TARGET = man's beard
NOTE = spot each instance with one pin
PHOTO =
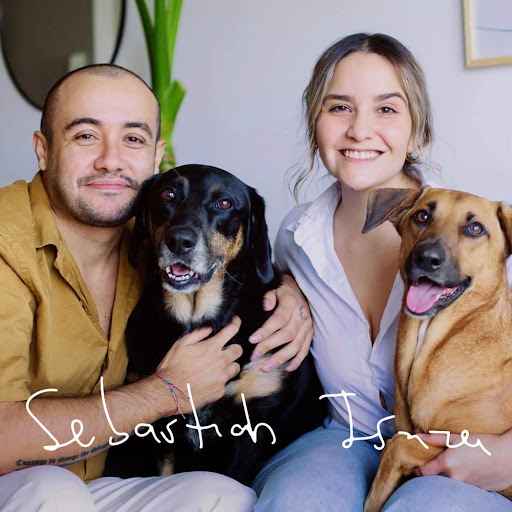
(80, 209)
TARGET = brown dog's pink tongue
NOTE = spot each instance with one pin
(180, 270)
(423, 296)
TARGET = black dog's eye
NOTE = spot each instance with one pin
(224, 204)
(168, 194)
(421, 217)
(474, 229)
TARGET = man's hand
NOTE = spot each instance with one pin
(290, 325)
(205, 365)
(472, 465)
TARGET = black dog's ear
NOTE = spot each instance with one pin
(140, 228)
(390, 204)
(257, 236)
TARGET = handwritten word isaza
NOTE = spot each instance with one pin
(347, 443)
(77, 426)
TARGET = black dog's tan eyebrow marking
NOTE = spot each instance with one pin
(184, 183)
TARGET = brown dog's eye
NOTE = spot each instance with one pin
(474, 229)
(422, 217)
(224, 204)
(168, 195)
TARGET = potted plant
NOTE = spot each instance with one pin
(160, 37)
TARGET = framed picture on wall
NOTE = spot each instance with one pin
(488, 32)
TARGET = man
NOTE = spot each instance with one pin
(67, 293)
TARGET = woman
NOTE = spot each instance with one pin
(369, 119)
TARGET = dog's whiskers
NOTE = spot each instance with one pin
(238, 282)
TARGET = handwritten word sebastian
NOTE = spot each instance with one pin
(77, 426)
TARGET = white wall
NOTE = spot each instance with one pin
(18, 120)
(105, 25)
(245, 64)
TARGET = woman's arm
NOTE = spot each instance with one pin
(290, 325)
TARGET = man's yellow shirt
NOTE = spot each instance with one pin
(50, 335)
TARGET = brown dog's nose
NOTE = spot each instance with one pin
(429, 256)
(181, 240)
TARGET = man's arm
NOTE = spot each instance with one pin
(22, 439)
(205, 365)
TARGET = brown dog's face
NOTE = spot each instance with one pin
(453, 244)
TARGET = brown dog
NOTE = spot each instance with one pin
(453, 364)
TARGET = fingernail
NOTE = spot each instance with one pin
(255, 355)
(255, 338)
(270, 366)
(266, 303)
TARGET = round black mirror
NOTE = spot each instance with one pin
(44, 40)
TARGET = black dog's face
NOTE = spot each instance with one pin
(197, 220)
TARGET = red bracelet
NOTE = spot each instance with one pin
(172, 388)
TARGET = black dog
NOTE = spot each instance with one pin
(204, 237)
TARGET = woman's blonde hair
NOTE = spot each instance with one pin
(409, 74)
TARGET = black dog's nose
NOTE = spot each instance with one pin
(181, 240)
(429, 256)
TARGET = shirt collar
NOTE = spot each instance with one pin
(324, 206)
(316, 212)
(45, 228)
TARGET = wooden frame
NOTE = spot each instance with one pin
(475, 57)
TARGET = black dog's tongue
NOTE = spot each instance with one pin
(421, 297)
(180, 270)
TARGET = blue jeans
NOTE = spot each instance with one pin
(316, 474)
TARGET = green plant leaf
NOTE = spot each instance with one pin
(149, 34)
(161, 51)
(171, 103)
(161, 42)
(172, 22)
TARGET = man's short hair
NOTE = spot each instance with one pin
(105, 70)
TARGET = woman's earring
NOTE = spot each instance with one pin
(413, 156)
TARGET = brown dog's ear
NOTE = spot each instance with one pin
(505, 218)
(390, 204)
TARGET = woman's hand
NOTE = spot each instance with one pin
(290, 325)
(472, 465)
